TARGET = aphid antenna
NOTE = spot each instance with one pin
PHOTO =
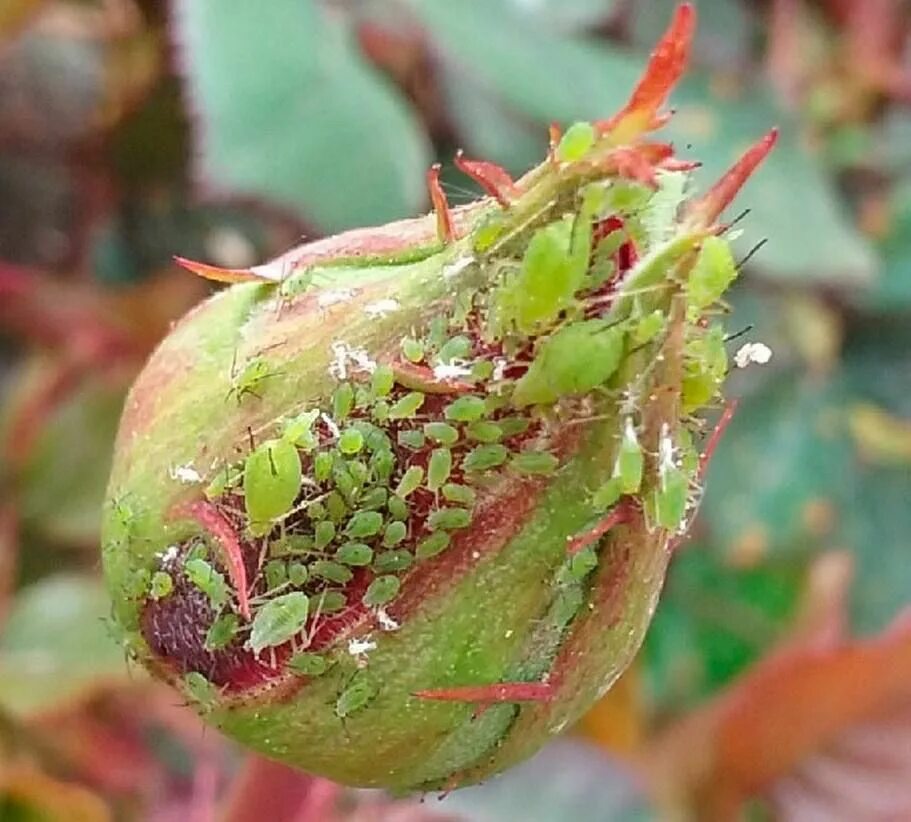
(750, 254)
(737, 334)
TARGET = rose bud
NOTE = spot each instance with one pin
(396, 507)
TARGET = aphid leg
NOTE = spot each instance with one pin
(214, 522)
(445, 231)
(492, 178)
(620, 514)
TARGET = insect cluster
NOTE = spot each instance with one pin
(412, 472)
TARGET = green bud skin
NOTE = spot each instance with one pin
(374, 465)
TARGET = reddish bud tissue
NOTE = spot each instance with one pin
(396, 507)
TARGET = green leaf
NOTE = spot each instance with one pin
(279, 620)
(289, 110)
(574, 360)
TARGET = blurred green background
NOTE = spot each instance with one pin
(775, 681)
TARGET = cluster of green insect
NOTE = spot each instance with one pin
(557, 315)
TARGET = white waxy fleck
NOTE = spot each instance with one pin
(665, 450)
(381, 308)
(334, 296)
(457, 267)
(358, 646)
(387, 623)
(344, 358)
(758, 353)
(330, 424)
(184, 473)
(168, 556)
(499, 368)
(450, 370)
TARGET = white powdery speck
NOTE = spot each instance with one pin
(381, 308)
(168, 556)
(344, 358)
(665, 450)
(451, 370)
(184, 473)
(457, 267)
(758, 353)
(339, 295)
(499, 368)
(330, 424)
(387, 623)
(356, 646)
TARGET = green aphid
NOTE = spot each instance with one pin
(382, 464)
(630, 461)
(198, 550)
(276, 573)
(448, 519)
(407, 406)
(225, 478)
(670, 499)
(397, 507)
(394, 534)
(342, 401)
(331, 571)
(299, 430)
(482, 370)
(411, 480)
(323, 534)
(201, 692)
(461, 494)
(357, 696)
(432, 545)
(322, 466)
(487, 234)
(329, 602)
(336, 506)
(574, 360)
(648, 327)
(484, 431)
(712, 273)
(608, 494)
(364, 524)
(351, 441)
(137, 583)
(413, 349)
(278, 621)
(576, 142)
(304, 663)
(441, 432)
(247, 382)
(363, 397)
(375, 439)
(210, 581)
(289, 544)
(583, 563)
(437, 331)
(439, 467)
(382, 590)
(382, 381)
(298, 574)
(704, 368)
(485, 457)
(373, 499)
(534, 462)
(222, 632)
(566, 605)
(345, 483)
(456, 348)
(465, 409)
(272, 482)
(412, 439)
(354, 553)
(317, 511)
(380, 411)
(392, 562)
(160, 585)
(512, 426)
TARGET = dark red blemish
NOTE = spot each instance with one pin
(493, 179)
(445, 230)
